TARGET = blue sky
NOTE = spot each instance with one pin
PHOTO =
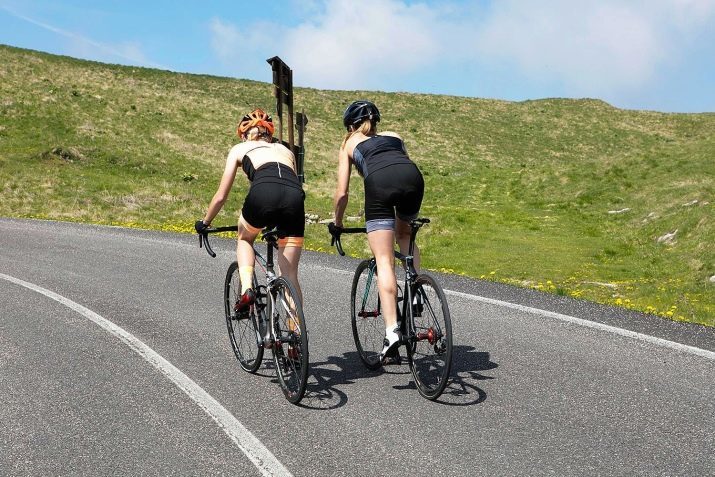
(635, 54)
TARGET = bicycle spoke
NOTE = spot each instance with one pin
(290, 350)
(431, 356)
(242, 330)
(366, 316)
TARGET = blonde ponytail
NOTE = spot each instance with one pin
(367, 128)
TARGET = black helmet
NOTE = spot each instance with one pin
(358, 112)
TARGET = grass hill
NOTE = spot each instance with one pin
(566, 196)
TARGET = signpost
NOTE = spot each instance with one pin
(283, 91)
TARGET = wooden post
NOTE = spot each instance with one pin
(283, 91)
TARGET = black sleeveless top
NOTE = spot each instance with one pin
(378, 152)
(273, 172)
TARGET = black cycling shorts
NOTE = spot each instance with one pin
(272, 204)
(397, 188)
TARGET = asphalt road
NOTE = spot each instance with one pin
(114, 359)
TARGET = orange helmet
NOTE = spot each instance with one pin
(257, 117)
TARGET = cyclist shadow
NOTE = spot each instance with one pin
(326, 377)
(462, 388)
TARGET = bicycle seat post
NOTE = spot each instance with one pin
(271, 238)
(414, 227)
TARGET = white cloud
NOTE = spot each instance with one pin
(243, 51)
(593, 46)
(85, 47)
(225, 40)
(354, 44)
(582, 44)
(590, 47)
(687, 14)
(346, 44)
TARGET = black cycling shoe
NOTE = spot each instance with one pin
(392, 357)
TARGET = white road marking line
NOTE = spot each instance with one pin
(254, 449)
(703, 353)
(592, 324)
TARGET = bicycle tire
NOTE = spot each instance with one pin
(368, 324)
(430, 355)
(290, 348)
(243, 331)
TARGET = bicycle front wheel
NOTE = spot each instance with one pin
(243, 329)
(366, 315)
(290, 348)
(430, 353)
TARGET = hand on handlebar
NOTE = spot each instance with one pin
(202, 230)
(334, 230)
(200, 227)
(335, 233)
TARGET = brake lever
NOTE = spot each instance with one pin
(204, 240)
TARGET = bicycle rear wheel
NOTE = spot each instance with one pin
(290, 349)
(430, 354)
(365, 314)
(243, 329)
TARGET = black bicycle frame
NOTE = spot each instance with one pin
(410, 275)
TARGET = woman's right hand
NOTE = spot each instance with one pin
(201, 227)
(335, 230)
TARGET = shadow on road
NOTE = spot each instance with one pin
(327, 377)
(467, 365)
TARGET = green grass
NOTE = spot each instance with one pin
(519, 193)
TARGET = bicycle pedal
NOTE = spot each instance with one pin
(241, 315)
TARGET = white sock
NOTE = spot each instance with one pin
(391, 334)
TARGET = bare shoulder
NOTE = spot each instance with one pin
(279, 146)
(283, 151)
(237, 152)
(391, 134)
(350, 144)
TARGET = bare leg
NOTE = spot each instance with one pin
(244, 247)
(382, 243)
(288, 258)
(245, 255)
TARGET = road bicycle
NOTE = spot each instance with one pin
(422, 313)
(275, 321)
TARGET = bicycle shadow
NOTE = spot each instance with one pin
(326, 377)
(322, 391)
(467, 366)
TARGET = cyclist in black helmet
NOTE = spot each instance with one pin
(393, 195)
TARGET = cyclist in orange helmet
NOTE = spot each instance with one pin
(394, 189)
(275, 198)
